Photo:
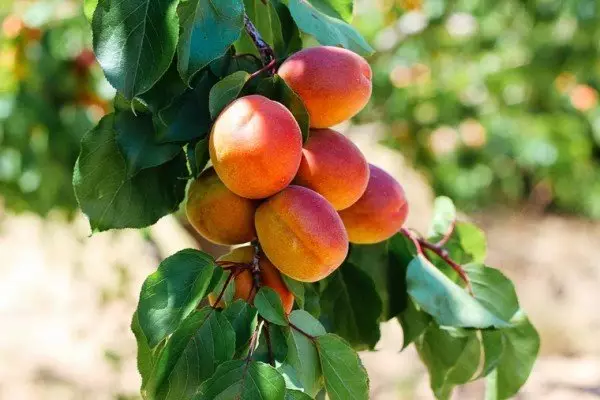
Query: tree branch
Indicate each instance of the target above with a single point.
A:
(267, 54)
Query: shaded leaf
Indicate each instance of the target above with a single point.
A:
(413, 322)
(225, 91)
(297, 289)
(493, 347)
(165, 90)
(291, 394)
(269, 306)
(145, 356)
(243, 318)
(312, 299)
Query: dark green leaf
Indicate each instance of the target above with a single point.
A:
(291, 394)
(165, 90)
(276, 89)
(277, 350)
(225, 91)
(493, 347)
(344, 375)
(352, 316)
(521, 346)
(291, 34)
(188, 116)
(238, 380)
(327, 30)
(444, 216)
(170, 294)
(269, 306)
(145, 356)
(202, 342)
(243, 318)
(446, 302)
(297, 289)
(413, 322)
(312, 299)
(201, 20)
(135, 41)
(137, 141)
(111, 199)
(201, 154)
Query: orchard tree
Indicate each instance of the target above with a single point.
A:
(322, 255)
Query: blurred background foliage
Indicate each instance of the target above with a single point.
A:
(495, 102)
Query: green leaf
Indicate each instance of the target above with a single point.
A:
(444, 216)
(200, 21)
(188, 116)
(171, 293)
(264, 17)
(492, 289)
(292, 40)
(227, 297)
(204, 341)
(493, 347)
(291, 394)
(243, 318)
(327, 30)
(413, 322)
(243, 381)
(89, 6)
(472, 242)
(354, 317)
(201, 154)
(450, 359)
(446, 302)
(297, 289)
(135, 136)
(521, 346)
(341, 9)
(309, 324)
(145, 356)
(109, 197)
(312, 299)
(344, 375)
(225, 91)
(278, 349)
(276, 89)
(135, 41)
(269, 306)
(165, 90)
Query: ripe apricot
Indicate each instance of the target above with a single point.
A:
(333, 167)
(255, 147)
(269, 276)
(379, 213)
(333, 83)
(301, 233)
(217, 213)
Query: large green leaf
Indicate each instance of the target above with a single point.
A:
(326, 29)
(492, 289)
(351, 306)
(243, 318)
(145, 356)
(169, 86)
(451, 359)
(171, 293)
(242, 380)
(445, 301)
(201, 343)
(269, 306)
(208, 28)
(109, 197)
(135, 41)
(225, 91)
(343, 373)
(136, 138)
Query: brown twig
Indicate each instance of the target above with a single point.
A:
(266, 52)
(220, 296)
(442, 242)
(269, 344)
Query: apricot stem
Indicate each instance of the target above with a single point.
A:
(266, 52)
(220, 296)
(441, 252)
(447, 235)
(269, 345)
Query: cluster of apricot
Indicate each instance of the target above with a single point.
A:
(303, 204)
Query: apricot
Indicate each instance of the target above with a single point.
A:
(255, 147)
(217, 213)
(269, 276)
(333, 167)
(301, 233)
(333, 83)
(379, 213)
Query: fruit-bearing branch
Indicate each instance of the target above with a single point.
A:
(267, 54)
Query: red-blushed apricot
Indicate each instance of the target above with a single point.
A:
(217, 213)
(301, 233)
(379, 213)
(333, 83)
(255, 147)
(269, 276)
(333, 167)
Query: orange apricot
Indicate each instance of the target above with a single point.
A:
(255, 147)
(269, 276)
(301, 233)
(217, 213)
(333, 167)
(379, 213)
(333, 83)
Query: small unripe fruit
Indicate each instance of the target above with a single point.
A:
(301, 233)
(333, 83)
(379, 213)
(217, 213)
(255, 147)
(333, 167)
(269, 276)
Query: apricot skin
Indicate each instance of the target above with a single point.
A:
(269, 276)
(301, 233)
(255, 146)
(333, 167)
(333, 83)
(217, 213)
(379, 213)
